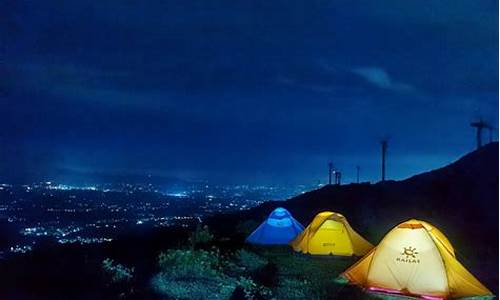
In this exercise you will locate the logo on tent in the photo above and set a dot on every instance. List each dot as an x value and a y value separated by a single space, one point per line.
410 252
410 255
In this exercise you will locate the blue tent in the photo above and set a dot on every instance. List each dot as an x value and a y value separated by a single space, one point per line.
279 229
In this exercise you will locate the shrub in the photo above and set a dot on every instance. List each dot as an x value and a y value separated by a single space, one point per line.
192 274
201 235
202 274
191 263
117 272
176 288
249 260
252 290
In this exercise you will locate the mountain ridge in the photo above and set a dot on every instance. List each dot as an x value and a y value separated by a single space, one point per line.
472 172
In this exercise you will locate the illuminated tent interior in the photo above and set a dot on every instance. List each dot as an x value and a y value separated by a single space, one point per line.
278 229
330 233
415 259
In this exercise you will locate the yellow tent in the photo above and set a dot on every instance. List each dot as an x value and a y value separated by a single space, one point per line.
330 233
415 259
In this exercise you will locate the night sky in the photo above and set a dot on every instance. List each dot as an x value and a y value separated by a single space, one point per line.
242 91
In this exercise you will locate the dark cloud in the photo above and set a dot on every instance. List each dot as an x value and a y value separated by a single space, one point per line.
245 89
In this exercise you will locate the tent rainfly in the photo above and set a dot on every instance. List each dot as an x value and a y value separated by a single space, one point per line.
415 259
330 233
278 229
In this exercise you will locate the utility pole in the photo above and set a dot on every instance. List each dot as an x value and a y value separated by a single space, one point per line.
480 125
330 171
338 177
357 174
384 152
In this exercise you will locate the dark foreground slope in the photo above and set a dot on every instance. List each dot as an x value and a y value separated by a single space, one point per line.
461 199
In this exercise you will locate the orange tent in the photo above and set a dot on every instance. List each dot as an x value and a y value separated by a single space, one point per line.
330 233
415 258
